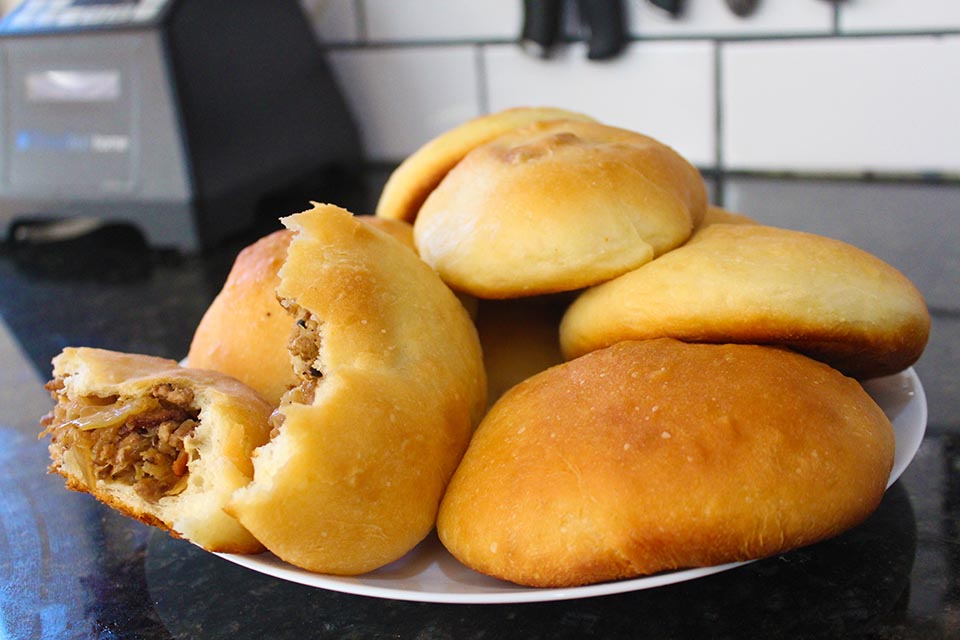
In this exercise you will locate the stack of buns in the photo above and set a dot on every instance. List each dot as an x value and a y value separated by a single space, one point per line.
547 344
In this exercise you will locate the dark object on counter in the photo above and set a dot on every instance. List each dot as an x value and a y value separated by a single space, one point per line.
674 7
743 8
603 20
176 116
80 248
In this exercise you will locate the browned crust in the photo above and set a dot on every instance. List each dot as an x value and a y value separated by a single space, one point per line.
755 284
244 331
557 206
110 500
107 498
412 182
657 455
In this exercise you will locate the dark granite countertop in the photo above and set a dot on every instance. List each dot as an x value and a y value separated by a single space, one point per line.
72 568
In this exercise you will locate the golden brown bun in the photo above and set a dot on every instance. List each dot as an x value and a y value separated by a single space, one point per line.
403 231
659 455
233 421
520 338
244 332
352 479
718 215
410 184
399 229
762 285
556 206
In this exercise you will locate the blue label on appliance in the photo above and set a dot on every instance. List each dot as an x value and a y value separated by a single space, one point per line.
31 140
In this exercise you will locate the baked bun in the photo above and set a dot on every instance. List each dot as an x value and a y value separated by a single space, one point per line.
519 339
762 285
399 229
403 231
557 206
657 455
161 443
391 387
244 332
718 215
410 184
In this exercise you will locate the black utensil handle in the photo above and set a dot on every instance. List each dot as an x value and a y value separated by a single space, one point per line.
605 21
743 8
673 7
541 25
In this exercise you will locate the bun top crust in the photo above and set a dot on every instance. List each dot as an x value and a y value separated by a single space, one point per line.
233 421
410 184
718 215
657 455
556 206
244 332
353 476
399 229
762 285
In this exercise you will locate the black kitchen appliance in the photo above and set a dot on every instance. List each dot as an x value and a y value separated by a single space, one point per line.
178 116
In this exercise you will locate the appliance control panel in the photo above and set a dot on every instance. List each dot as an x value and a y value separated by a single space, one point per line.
33 16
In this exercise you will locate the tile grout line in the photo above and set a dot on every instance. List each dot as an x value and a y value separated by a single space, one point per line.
720 179
724 176
360 16
483 86
835 33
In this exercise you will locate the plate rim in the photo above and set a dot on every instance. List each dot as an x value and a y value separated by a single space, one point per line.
906 382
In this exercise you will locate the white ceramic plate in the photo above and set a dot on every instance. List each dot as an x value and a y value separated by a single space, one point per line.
429 574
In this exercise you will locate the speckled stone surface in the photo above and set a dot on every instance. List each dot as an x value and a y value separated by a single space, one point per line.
72 568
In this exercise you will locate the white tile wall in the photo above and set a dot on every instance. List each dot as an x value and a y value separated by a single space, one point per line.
714 18
875 104
877 91
448 20
403 97
662 89
899 15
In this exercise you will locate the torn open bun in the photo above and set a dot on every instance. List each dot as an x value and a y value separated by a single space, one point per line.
161 443
391 386
244 331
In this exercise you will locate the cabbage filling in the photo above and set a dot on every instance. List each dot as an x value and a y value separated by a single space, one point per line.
141 441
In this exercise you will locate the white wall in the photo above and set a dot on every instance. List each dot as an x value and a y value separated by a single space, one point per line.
801 86
860 100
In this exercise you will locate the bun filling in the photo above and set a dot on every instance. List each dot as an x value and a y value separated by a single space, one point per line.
304 348
143 441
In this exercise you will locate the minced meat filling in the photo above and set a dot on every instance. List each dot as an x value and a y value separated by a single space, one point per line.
304 344
304 347
137 441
